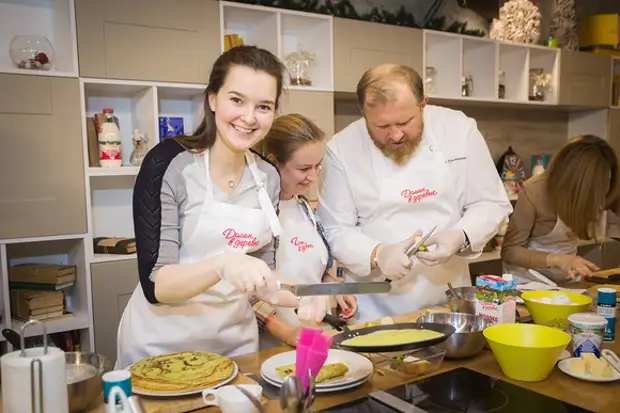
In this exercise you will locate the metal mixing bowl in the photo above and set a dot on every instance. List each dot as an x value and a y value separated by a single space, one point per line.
84 392
467 305
467 340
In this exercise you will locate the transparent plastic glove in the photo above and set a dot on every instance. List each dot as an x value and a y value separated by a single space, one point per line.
447 243
392 259
245 273
313 308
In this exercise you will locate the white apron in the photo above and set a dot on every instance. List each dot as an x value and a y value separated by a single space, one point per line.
560 241
220 319
301 256
418 195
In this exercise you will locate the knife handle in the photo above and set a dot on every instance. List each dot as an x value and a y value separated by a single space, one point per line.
336 322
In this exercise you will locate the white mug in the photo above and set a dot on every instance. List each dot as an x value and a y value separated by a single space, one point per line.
232 400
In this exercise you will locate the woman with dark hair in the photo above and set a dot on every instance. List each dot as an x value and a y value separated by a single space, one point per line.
205 217
558 208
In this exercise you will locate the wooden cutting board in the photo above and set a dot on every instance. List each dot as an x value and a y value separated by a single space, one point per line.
611 276
186 403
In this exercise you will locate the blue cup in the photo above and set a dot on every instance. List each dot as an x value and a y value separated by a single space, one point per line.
120 378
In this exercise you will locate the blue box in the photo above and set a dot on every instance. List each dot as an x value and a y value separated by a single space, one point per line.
170 127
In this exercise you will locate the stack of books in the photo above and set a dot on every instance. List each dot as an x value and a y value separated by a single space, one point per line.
37 291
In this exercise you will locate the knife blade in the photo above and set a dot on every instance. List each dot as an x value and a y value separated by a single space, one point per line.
415 247
302 290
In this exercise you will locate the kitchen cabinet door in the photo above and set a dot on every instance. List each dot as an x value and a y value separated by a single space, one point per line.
157 40
112 285
42 189
317 106
585 79
360 45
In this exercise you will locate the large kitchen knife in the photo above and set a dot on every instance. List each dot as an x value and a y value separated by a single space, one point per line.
301 290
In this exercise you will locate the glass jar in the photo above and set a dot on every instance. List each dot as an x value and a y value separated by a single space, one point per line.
31 52
539 83
501 92
429 80
467 86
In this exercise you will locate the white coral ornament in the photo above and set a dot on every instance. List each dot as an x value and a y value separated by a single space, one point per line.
519 22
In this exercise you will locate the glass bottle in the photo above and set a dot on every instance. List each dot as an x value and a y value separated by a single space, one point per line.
501 92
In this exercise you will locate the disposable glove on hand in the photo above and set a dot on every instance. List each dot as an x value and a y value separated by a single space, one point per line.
392 259
313 308
447 243
245 273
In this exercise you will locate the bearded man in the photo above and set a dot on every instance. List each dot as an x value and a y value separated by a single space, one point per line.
396 173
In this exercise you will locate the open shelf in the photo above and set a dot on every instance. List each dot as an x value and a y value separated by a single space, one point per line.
513 61
63 252
180 102
546 59
311 33
133 104
111 206
256 26
112 257
443 52
54 19
480 62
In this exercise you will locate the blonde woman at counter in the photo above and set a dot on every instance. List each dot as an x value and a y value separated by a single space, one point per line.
558 208
296 145
205 220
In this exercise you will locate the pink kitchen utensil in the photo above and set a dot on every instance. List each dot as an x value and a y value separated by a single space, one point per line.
315 358
306 341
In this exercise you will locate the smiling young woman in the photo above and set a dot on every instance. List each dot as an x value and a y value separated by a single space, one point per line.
205 220
296 145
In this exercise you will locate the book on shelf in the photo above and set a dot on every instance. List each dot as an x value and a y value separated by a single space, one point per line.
232 40
42 273
113 245
41 286
26 304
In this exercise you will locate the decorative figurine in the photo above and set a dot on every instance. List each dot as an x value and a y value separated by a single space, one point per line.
139 148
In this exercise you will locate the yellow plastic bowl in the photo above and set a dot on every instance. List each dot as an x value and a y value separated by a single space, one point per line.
526 352
542 313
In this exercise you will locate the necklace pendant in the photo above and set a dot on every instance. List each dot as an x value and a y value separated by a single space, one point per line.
231 184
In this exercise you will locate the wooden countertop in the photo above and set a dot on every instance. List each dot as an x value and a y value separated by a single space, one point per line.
597 397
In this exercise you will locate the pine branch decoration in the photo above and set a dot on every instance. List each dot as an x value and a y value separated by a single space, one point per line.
564 25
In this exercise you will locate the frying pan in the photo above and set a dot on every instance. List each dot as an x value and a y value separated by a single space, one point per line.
345 334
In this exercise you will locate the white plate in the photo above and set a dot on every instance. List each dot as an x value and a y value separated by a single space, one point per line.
359 366
228 380
564 365
346 386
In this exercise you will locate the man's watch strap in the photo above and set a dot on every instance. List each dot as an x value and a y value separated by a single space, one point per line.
466 243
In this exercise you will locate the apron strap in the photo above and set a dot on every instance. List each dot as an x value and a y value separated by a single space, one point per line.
263 197
307 208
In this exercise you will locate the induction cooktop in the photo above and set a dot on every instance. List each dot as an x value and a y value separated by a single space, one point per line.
460 390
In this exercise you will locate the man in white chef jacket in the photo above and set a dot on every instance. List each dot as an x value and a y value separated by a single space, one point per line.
400 170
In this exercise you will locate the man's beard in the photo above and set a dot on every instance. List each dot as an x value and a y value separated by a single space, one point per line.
402 154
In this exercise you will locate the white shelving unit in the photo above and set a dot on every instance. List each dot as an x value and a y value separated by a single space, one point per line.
282 32
455 57
138 105
54 19
67 251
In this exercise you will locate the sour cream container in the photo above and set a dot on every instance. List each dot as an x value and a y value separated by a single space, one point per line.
587 332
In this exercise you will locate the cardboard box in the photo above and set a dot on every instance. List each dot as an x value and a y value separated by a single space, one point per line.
496 298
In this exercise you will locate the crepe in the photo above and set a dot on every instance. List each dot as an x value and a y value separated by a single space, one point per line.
181 372
385 338
329 372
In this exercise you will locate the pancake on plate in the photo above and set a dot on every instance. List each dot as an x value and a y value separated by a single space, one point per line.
329 372
383 338
181 372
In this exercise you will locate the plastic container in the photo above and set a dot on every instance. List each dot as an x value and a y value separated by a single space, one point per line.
587 332
412 363
526 352
109 137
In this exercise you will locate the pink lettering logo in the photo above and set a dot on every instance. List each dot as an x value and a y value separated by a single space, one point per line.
414 196
238 240
302 246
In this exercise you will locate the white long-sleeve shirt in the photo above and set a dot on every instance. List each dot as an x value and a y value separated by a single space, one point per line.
351 188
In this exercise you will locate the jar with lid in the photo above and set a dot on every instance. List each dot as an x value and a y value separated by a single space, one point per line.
31 52
467 86
539 84
109 137
429 80
501 91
